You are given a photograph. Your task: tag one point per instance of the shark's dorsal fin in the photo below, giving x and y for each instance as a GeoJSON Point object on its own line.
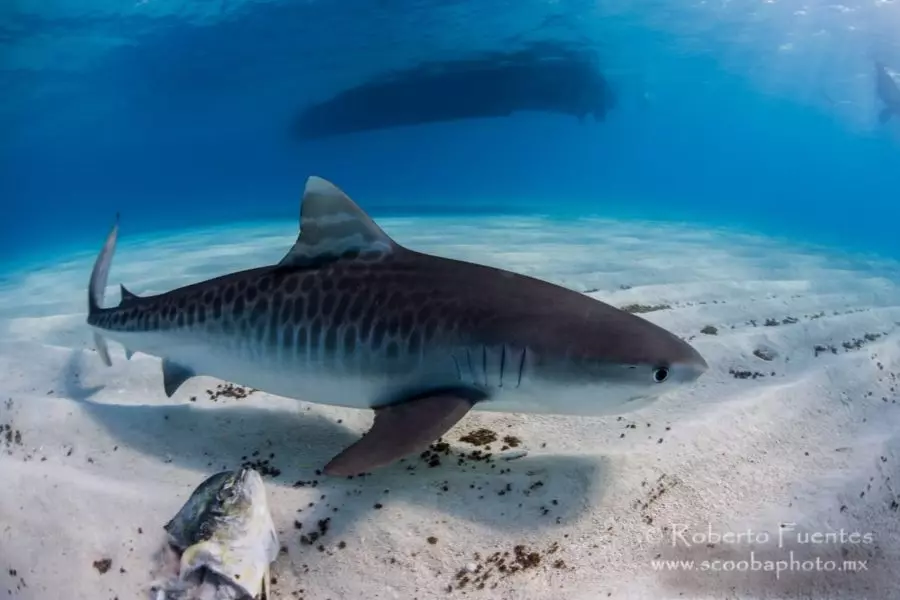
{"type": "Point", "coordinates": [127, 297]}
{"type": "Point", "coordinates": [332, 226]}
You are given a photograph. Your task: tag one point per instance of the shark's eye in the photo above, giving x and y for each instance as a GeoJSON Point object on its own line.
{"type": "Point", "coordinates": [660, 374]}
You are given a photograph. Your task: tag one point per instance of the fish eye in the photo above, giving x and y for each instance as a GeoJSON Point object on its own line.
{"type": "Point", "coordinates": [660, 374]}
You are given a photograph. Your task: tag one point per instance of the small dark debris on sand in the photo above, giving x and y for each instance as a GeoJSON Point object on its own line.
{"type": "Point", "coordinates": [663, 484]}
{"type": "Point", "coordinates": [645, 308]}
{"type": "Point", "coordinates": [301, 483]}
{"type": "Point", "coordinates": [857, 343]}
{"type": "Point", "coordinates": [510, 441]}
{"type": "Point", "coordinates": [820, 349]}
{"type": "Point", "coordinates": [479, 437]}
{"type": "Point", "coordinates": [229, 390]}
{"type": "Point", "coordinates": [482, 438]}
{"type": "Point", "coordinates": [744, 374]}
{"type": "Point", "coordinates": [709, 330]}
{"type": "Point", "coordinates": [103, 565]}
{"type": "Point", "coordinates": [432, 456]}
{"type": "Point", "coordinates": [313, 536]}
{"type": "Point", "coordinates": [784, 321]}
{"type": "Point", "coordinates": [764, 354]}
{"type": "Point", "coordinates": [9, 436]}
{"type": "Point", "coordinates": [432, 540]}
{"type": "Point", "coordinates": [501, 565]}
{"type": "Point", "coordinates": [263, 465]}
{"type": "Point", "coordinates": [853, 344]}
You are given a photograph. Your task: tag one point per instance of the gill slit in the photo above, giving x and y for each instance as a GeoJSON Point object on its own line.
{"type": "Point", "coordinates": [521, 365]}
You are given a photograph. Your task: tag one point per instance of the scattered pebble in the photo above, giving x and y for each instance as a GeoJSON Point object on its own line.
{"type": "Point", "coordinates": [103, 565]}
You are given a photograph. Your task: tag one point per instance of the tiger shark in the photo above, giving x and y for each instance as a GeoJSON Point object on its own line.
{"type": "Point", "coordinates": [351, 318]}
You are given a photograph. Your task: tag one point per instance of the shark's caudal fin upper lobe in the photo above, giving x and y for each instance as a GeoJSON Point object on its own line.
{"type": "Point", "coordinates": [97, 286]}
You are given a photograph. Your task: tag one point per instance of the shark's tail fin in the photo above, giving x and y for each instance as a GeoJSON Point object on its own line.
{"type": "Point", "coordinates": [97, 287]}
{"type": "Point", "coordinates": [885, 115]}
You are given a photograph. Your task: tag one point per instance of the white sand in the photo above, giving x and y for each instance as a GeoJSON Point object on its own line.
{"type": "Point", "coordinates": [105, 455]}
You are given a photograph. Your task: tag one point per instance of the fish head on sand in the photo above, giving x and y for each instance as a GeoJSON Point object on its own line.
{"type": "Point", "coordinates": [225, 533]}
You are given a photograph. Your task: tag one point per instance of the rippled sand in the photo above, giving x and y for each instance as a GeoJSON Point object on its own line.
{"type": "Point", "coordinates": [795, 427]}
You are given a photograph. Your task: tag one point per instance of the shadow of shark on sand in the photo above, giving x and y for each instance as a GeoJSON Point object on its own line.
{"type": "Point", "coordinates": [532, 493]}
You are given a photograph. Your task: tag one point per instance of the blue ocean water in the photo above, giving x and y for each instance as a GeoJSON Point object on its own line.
{"type": "Point", "coordinates": [756, 115]}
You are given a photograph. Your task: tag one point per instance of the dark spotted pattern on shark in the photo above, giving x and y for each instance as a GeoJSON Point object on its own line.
{"type": "Point", "coordinates": [351, 318]}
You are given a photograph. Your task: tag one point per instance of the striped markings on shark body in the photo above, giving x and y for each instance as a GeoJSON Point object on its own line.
{"type": "Point", "coordinates": [351, 318]}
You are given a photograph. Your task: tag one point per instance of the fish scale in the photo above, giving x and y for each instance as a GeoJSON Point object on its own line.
{"type": "Point", "coordinates": [351, 318]}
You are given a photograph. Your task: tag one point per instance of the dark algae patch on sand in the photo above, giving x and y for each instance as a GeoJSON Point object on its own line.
{"type": "Point", "coordinates": [228, 390]}
{"type": "Point", "coordinates": [479, 437]}
{"type": "Point", "coordinates": [745, 374]}
{"type": "Point", "coordinates": [510, 441]}
{"type": "Point", "coordinates": [103, 565]}
{"type": "Point", "coordinates": [645, 308]}
{"type": "Point", "coordinates": [488, 571]}
{"type": "Point", "coordinates": [849, 345]}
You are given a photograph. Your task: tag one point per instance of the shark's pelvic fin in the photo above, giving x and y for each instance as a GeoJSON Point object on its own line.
{"type": "Point", "coordinates": [97, 286]}
{"type": "Point", "coordinates": [174, 375]}
{"type": "Point", "coordinates": [403, 428]}
{"type": "Point", "coordinates": [332, 226]}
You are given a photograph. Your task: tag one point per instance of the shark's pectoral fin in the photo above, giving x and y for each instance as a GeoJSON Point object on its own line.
{"type": "Point", "coordinates": [885, 115]}
{"type": "Point", "coordinates": [174, 375]}
{"type": "Point", "coordinates": [403, 428]}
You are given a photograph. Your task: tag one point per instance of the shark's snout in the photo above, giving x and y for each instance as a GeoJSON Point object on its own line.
{"type": "Point", "coordinates": [688, 372]}
{"type": "Point", "coordinates": [689, 366]}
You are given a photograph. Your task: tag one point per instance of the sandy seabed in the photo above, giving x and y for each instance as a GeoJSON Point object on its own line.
{"type": "Point", "coordinates": [775, 474]}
